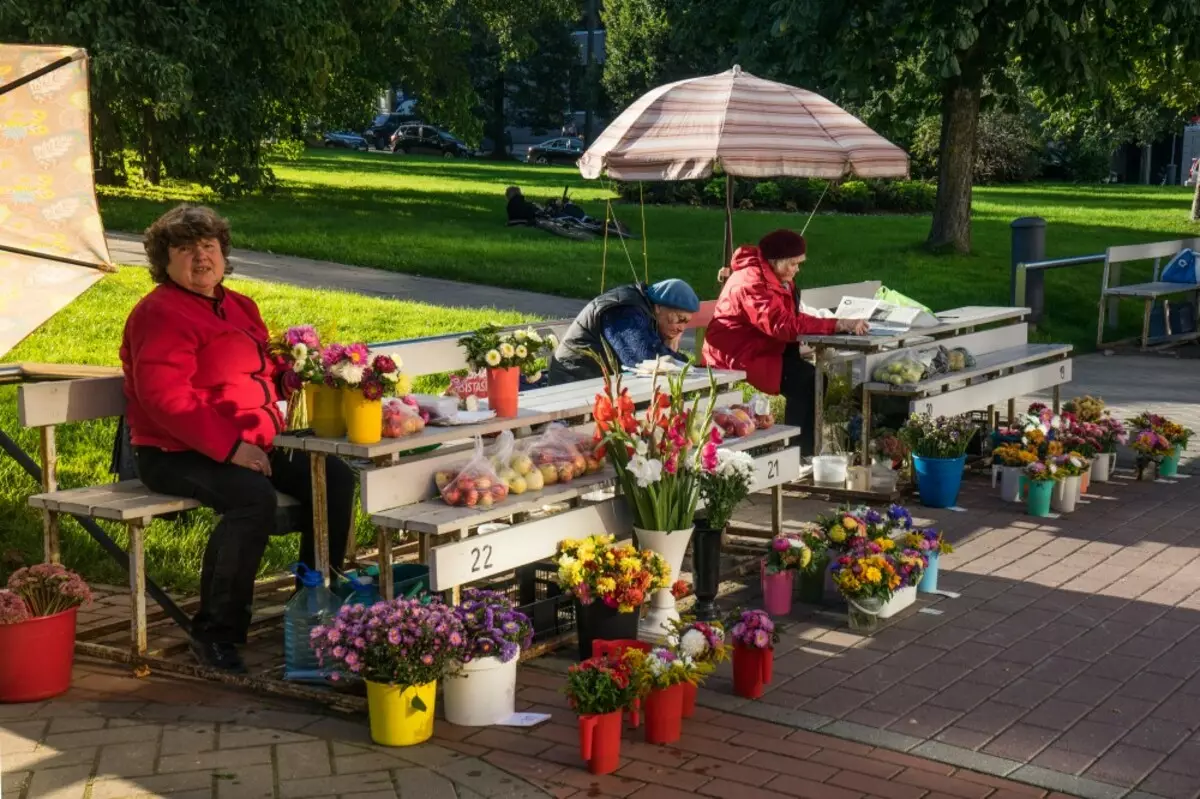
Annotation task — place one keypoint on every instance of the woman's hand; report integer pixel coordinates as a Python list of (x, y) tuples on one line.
[(855, 327), (251, 457)]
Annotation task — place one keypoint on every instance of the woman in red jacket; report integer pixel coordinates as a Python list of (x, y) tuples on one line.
[(757, 323), (201, 405)]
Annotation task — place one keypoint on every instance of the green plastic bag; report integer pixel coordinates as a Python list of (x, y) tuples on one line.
[(896, 298)]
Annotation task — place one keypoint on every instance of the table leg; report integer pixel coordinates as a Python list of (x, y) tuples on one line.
[(818, 408), (137, 589), (320, 514), (864, 436), (1057, 399), (1146, 323), (383, 538), (1012, 412), (777, 509)]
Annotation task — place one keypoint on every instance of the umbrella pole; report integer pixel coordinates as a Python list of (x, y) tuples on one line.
[(728, 220)]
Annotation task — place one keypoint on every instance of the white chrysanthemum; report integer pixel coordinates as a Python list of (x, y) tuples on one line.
[(492, 358), (520, 335), (733, 463), (521, 351), (506, 350), (693, 644), (533, 336), (552, 340), (536, 376), (299, 351), (349, 372)]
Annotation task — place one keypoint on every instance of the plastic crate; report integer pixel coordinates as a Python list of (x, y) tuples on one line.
[(410, 581)]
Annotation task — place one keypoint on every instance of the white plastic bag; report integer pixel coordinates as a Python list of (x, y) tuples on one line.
[(475, 484), (555, 453), (735, 421), (401, 417)]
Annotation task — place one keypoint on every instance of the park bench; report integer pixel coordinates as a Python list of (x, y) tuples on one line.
[(1112, 292)]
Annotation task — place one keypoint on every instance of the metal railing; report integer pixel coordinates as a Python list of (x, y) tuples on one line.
[(1029, 281)]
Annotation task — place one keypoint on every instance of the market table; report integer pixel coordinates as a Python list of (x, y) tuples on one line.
[(537, 407)]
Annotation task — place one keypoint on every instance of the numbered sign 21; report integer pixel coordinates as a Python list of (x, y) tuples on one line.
[(776, 468)]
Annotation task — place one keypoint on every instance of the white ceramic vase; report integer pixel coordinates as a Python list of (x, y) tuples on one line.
[(1010, 482), (482, 694), (671, 544), (1066, 494), (1102, 467)]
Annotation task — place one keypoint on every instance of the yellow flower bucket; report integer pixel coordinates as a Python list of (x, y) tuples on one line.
[(325, 417), (364, 418), (401, 716), (310, 400)]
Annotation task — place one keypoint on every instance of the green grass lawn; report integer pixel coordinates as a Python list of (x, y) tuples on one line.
[(446, 219), (89, 332)]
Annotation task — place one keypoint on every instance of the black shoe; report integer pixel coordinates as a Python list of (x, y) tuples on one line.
[(216, 655)]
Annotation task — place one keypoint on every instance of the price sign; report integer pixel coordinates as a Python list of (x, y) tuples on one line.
[(776, 468), (473, 384)]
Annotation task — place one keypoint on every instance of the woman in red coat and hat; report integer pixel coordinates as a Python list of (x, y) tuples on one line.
[(757, 325)]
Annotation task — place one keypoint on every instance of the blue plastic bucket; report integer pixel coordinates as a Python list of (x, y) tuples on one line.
[(928, 584), (938, 480)]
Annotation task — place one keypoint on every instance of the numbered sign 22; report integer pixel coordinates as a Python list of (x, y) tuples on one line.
[(481, 558)]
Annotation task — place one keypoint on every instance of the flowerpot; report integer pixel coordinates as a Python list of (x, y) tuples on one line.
[(1038, 496), (600, 741), (938, 480), (599, 621), (1169, 465), (812, 581), (396, 719), (858, 478), (663, 709), (1010, 481), (706, 571), (1085, 480), (1102, 467), (671, 544), (900, 599), (929, 578), (752, 669), (502, 387), (483, 693), (364, 418), (310, 400), (863, 614), (326, 417), (690, 690), (1066, 494), (777, 590), (36, 657), (830, 470)]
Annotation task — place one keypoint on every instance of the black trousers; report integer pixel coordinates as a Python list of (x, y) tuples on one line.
[(246, 501), (798, 384)]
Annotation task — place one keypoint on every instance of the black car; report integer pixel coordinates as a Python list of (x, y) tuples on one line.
[(384, 128), (428, 140), (556, 151), (342, 138)]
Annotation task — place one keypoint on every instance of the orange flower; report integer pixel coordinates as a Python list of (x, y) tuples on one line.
[(624, 402), (603, 409)]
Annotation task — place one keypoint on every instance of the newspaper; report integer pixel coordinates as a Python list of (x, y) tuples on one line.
[(884, 318)]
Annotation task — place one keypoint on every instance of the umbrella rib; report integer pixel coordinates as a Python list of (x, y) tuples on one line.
[(60, 258), (37, 73)]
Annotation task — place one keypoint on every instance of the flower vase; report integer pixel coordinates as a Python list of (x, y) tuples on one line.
[(397, 717), (929, 578), (663, 709), (938, 480), (502, 388), (1010, 481), (600, 741), (863, 614), (777, 590), (812, 580), (484, 693), (671, 545), (1085, 481), (1066, 494), (1169, 465), (706, 570), (364, 418), (36, 656), (690, 689), (752, 670), (326, 418), (599, 622), (1038, 496), (310, 400), (1102, 467)]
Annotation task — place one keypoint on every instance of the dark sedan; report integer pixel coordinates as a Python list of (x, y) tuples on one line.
[(350, 141), (556, 151), (428, 140)]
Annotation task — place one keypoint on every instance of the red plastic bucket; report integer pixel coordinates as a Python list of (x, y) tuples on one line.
[(663, 709), (600, 742), (689, 700), (752, 670), (36, 657)]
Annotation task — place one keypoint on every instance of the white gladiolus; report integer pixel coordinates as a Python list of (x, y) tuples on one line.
[(647, 471)]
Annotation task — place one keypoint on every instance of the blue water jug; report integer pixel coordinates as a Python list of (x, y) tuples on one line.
[(364, 591), (310, 607)]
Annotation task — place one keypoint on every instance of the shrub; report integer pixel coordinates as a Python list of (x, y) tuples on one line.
[(768, 194), (853, 197), (1006, 150), (791, 194)]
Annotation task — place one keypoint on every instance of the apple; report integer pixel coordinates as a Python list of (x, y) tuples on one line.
[(443, 479), (579, 464), (544, 457), (471, 498), (534, 480), (485, 500), (518, 485), (549, 474), (506, 475), (452, 496), (594, 465), (566, 472), (466, 483), (483, 483), (522, 464), (499, 491)]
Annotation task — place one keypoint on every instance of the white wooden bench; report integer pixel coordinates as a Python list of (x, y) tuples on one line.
[(1112, 292)]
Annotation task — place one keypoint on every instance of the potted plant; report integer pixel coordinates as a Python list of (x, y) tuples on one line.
[(610, 584), (786, 556), (658, 456), (599, 690), (297, 355), (1008, 463), (1111, 433), (660, 675), (37, 631), (1041, 477), (1176, 436), (939, 452), (723, 488), (932, 545), (703, 645), (867, 579), (1070, 467), (484, 690), (812, 575), (400, 649), (364, 379), (504, 355), (754, 638)]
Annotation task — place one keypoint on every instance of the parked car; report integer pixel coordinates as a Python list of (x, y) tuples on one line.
[(346, 139), (428, 140), (556, 151), (380, 133)]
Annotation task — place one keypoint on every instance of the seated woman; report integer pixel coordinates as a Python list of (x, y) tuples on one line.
[(638, 322), (757, 324), (520, 211), (201, 407)]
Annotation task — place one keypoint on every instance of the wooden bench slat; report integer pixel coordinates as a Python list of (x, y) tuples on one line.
[(985, 364), (1153, 290), (123, 501)]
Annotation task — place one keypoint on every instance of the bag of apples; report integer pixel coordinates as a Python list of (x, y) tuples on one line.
[(734, 422), (401, 417), (513, 465), (556, 455), (476, 484), (759, 408)]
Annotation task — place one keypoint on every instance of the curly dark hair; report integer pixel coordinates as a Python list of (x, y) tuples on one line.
[(183, 225)]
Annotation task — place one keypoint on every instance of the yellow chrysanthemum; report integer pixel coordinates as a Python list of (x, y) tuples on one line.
[(606, 585), (872, 575)]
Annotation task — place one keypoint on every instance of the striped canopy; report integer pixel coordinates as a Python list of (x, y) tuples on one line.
[(754, 128)]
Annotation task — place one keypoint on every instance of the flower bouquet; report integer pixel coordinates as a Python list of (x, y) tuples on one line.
[(722, 488), (812, 577), (867, 579), (931, 544), (702, 644), (401, 648), (484, 691), (1071, 468), (620, 577), (599, 690), (505, 355), (364, 379), (1175, 434), (1009, 461), (661, 675), (297, 355), (1042, 476), (939, 448), (786, 556), (658, 457), (37, 631), (1110, 432), (754, 639)]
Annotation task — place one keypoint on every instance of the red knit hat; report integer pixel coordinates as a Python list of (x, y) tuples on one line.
[(781, 244)]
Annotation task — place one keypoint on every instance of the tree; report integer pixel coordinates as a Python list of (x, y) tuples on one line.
[(1060, 44), (636, 38)]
